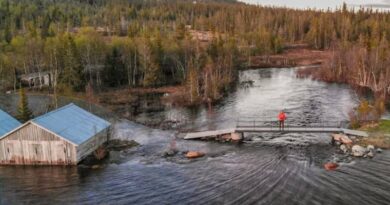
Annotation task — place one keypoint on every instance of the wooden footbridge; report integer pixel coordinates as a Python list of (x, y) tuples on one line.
[(257, 126)]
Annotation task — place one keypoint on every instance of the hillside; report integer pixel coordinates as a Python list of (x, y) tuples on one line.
[(196, 44)]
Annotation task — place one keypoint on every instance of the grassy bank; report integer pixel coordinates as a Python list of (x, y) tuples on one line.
[(379, 135)]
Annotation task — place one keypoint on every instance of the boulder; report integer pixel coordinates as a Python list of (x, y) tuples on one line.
[(119, 145), (344, 148), (330, 166), (169, 153), (336, 137), (379, 150), (115, 156), (370, 154), (344, 139), (358, 151), (194, 154), (370, 148), (96, 166), (226, 137), (236, 137)]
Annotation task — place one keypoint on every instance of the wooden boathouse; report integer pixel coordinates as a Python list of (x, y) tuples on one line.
[(62, 137)]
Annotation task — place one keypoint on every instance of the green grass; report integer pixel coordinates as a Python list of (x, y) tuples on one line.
[(379, 136), (384, 127)]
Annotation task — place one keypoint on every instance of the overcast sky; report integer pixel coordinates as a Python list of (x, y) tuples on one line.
[(321, 4)]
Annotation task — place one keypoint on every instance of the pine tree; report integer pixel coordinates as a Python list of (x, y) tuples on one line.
[(24, 113), (114, 73), (72, 75)]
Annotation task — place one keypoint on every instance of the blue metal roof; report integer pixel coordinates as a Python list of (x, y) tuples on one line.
[(7, 123), (72, 123)]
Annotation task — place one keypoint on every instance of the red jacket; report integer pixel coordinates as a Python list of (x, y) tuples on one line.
[(282, 116)]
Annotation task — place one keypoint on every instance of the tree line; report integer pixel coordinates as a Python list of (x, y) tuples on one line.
[(149, 43)]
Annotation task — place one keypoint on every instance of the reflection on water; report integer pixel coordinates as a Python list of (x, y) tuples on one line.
[(270, 169), (303, 100)]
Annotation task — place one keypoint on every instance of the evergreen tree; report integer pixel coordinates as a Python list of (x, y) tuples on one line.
[(72, 75), (114, 73), (24, 113)]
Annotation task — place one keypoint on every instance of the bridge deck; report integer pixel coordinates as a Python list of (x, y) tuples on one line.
[(289, 129), (205, 134), (198, 135)]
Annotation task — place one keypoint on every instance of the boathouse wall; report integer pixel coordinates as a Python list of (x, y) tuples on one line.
[(31, 144)]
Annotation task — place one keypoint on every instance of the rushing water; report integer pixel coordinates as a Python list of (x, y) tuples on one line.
[(269, 169)]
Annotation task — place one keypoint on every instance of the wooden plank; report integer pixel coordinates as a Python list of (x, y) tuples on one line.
[(355, 132), (198, 135), (289, 129)]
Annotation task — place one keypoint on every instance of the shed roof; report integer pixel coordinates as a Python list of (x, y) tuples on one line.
[(72, 123), (34, 75), (7, 123)]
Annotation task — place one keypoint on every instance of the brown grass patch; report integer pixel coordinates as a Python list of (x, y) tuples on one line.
[(380, 141), (291, 58)]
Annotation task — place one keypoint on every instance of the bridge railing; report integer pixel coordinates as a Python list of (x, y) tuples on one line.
[(255, 123)]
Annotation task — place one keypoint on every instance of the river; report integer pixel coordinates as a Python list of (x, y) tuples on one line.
[(268, 169)]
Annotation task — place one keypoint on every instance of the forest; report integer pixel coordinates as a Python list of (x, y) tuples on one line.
[(201, 45)]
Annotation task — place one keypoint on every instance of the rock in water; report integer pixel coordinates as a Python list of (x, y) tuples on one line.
[(379, 150), (96, 166), (226, 138), (358, 151), (236, 137), (115, 156), (344, 148), (119, 145), (193, 154), (370, 154), (170, 153), (336, 137), (330, 166), (370, 148), (344, 139)]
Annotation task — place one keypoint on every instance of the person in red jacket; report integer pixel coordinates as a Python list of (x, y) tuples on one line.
[(282, 117)]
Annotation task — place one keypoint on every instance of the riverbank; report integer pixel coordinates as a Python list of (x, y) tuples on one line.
[(300, 55), (379, 135), (344, 68), (125, 96)]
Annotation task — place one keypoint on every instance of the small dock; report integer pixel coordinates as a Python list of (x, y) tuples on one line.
[(272, 127)]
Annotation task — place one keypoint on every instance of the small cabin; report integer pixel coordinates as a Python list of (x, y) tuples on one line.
[(62, 137), (38, 79)]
